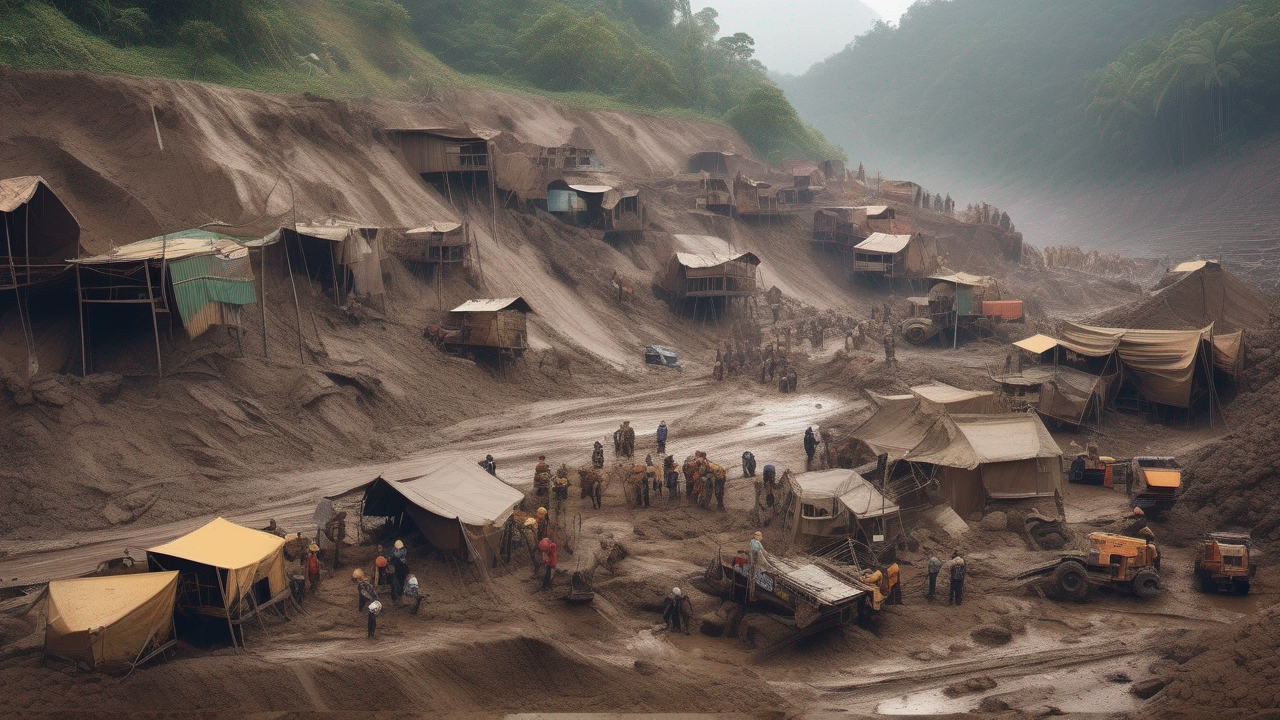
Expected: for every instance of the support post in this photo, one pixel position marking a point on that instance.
(84, 355)
(297, 311)
(262, 272)
(155, 321)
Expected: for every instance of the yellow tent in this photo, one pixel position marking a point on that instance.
(223, 562)
(110, 620)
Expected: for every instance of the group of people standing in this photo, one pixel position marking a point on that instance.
(391, 569)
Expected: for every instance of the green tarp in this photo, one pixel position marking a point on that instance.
(210, 288)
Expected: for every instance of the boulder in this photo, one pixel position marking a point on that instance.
(995, 522)
(993, 704)
(645, 667)
(969, 687)
(992, 635)
(1147, 688)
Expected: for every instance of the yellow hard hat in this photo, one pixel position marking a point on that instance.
(357, 574)
(314, 548)
(399, 544)
(542, 511)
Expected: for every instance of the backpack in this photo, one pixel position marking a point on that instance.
(957, 571)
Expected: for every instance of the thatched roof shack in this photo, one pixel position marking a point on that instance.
(896, 256)
(496, 323)
(713, 275)
(435, 243)
(37, 235)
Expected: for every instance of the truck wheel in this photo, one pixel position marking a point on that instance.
(1208, 585)
(1071, 580)
(1240, 586)
(1146, 584)
(915, 335)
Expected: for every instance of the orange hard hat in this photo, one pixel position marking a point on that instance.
(381, 561)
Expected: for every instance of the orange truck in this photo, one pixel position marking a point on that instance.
(1160, 480)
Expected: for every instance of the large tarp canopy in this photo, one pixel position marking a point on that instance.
(1192, 296)
(865, 502)
(970, 441)
(452, 501)
(244, 557)
(895, 428)
(110, 620)
(1161, 362)
(940, 397)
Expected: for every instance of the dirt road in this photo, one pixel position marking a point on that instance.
(722, 419)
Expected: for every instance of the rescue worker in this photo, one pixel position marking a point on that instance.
(560, 492)
(810, 447)
(748, 464)
(543, 523)
(336, 531)
(935, 567)
(597, 456)
(662, 438)
(628, 438)
(550, 558)
(956, 591)
(783, 383)
(529, 536)
(770, 478)
(672, 477)
(381, 564)
(689, 468)
(489, 465)
(313, 566)
(792, 379)
(895, 585)
(889, 342)
(653, 475)
(399, 569)
(413, 592)
(365, 591)
(718, 477)
(1138, 523)
(676, 611)
(542, 477)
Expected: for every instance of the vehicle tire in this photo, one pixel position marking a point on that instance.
(1071, 580)
(1241, 587)
(915, 335)
(1146, 584)
(1207, 585)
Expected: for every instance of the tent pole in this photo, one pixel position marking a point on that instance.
(80, 305)
(231, 628)
(297, 311)
(155, 321)
(333, 269)
(262, 272)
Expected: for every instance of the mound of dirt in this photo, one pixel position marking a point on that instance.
(1231, 481)
(1233, 673)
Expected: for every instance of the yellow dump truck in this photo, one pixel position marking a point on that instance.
(1120, 562)
(1223, 563)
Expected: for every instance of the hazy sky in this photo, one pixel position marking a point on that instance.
(791, 36)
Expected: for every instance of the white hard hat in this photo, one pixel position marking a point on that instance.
(375, 607)
(675, 591)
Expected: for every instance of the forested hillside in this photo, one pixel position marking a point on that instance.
(650, 55)
(1005, 86)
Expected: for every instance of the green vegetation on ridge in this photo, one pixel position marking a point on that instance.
(648, 55)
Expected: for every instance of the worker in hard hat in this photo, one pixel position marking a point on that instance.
(543, 523)
(365, 591)
(313, 566)
(382, 567)
(1137, 523)
(414, 592)
(399, 569)
(676, 611)
(550, 558)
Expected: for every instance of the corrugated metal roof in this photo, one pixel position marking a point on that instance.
(962, 278)
(492, 305)
(883, 243)
(1037, 343)
(202, 284)
(691, 260)
(816, 580)
(187, 243)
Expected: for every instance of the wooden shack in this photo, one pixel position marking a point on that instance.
(713, 194)
(710, 282)
(754, 199)
(497, 326)
(895, 256)
(840, 228)
(901, 191)
(454, 159)
(596, 206)
(713, 162)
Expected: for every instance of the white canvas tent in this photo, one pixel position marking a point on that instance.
(940, 397)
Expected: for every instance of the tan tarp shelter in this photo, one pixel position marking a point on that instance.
(940, 397)
(221, 563)
(997, 456)
(110, 620)
(357, 247)
(1074, 396)
(817, 509)
(1162, 363)
(452, 501)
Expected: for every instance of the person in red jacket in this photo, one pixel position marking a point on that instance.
(313, 566)
(550, 558)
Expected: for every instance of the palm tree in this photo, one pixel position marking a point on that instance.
(1112, 102)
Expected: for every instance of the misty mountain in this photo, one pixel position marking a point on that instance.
(791, 37)
(980, 86)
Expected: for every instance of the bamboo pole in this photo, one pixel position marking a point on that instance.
(262, 271)
(84, 355)
(297, 311)
(155, 321)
